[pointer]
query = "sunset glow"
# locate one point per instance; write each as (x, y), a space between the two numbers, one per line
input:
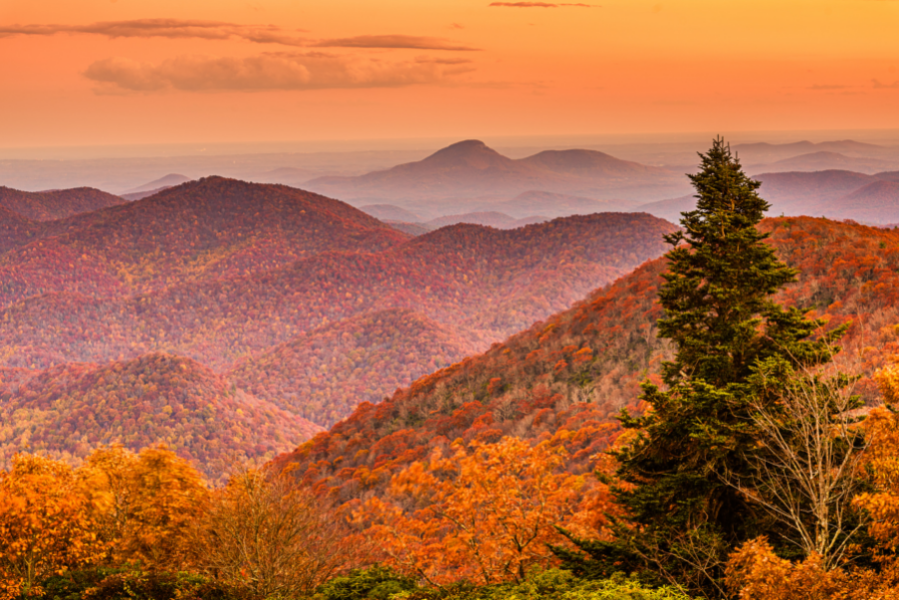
(100, 71)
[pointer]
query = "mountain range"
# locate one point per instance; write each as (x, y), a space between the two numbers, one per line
(835, 194)
(282, 300)
(470, 169)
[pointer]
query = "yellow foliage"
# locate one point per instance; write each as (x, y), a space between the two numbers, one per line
(157, 500)
(48, 522)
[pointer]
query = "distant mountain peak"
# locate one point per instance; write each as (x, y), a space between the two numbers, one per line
(471, 153)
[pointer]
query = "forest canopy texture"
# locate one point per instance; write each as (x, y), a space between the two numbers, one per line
(757, 460)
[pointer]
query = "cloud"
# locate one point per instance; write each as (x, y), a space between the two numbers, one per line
(166, 28)
(885, 86)
(540, 5)
(393, 41)
(826, 87)
(218, 30)
(270, 71)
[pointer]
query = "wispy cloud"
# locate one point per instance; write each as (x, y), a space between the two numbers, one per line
(218, 30)
(827, 87)
(884, 86)
(166, 28)
(541, 4)
(270, 71)
(393, 41)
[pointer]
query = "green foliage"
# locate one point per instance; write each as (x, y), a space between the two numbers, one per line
(375, 583)
(724, 324)
(133, 584)
(553, 584)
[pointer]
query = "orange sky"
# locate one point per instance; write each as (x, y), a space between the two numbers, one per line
(164, 71)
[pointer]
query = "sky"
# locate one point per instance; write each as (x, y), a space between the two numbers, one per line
(92, 72)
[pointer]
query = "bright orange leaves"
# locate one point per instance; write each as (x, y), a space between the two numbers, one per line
(486, 513)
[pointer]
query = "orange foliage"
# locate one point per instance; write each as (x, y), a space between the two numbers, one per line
(48, 522)
(756, 573)
(158, 499)
(486, 513)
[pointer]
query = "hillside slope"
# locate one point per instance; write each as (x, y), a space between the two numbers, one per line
(56, 204)
(570, 374)
(484, 283)
(326, 373)
(68, 410)
(205, 229)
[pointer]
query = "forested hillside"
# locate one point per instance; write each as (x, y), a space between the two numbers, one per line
(55, 204)
(69, 410)
(569, 375)
(275, 293)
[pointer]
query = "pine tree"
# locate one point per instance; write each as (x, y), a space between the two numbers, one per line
(720, 317)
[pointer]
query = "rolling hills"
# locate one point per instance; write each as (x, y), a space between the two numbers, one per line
(55, 204)
(484, 283)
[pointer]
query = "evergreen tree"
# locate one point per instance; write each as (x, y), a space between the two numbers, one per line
(719, 314)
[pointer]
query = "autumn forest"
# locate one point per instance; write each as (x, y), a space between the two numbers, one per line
(226, 390)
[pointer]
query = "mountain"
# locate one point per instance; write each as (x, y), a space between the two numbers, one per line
(875, 202)
(590, 164)
(480, 283)
(835, 194)
(141, 195)
(489, 219)
(823, 160)
(888, 175)
(68, 410)
(325, 374)
(412, 229)
(55, 204)
(15, 230)
(204, 229)
(567, 377)
(764, 152)
(172, 179)
(389, 212)
(470, 169)
(535, 202)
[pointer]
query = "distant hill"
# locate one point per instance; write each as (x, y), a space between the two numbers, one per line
(70, 409)
(471, 169)
(569, 375)
(412, 229)
(824, 160)
(876, 202)
(534, 202)
(172, 179)
(764, 152)
(55, 204)
(210, 228)
(141, 195)
(389, 212)
(490, 219)
(835, 194)
(325, 374)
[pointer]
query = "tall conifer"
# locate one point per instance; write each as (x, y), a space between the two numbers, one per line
(720, 317)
